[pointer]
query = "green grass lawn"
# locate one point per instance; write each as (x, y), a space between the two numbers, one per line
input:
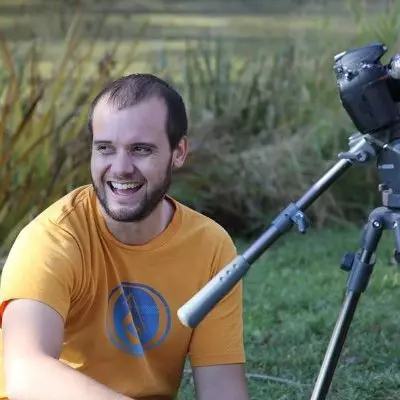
(293, 295)
(168, 34)
(162, 44)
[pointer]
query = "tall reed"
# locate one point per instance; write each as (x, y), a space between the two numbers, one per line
(43, 143)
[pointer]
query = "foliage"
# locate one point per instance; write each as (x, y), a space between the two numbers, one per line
(269, 127)
(265, 124)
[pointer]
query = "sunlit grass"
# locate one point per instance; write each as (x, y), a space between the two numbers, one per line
(259, 32)
(239, 26)
(248, 24)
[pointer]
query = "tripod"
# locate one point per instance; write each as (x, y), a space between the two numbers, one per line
(363, 149)
(360, 266)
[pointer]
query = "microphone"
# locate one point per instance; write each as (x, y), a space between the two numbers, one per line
(196, 308)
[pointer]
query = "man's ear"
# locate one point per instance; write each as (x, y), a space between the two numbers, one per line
(180, 152)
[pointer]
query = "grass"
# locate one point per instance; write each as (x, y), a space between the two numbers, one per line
(169, 28)
(169, 32)
(178, 28)
(293, 295)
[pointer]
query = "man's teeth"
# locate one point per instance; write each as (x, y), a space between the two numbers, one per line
(124, 186)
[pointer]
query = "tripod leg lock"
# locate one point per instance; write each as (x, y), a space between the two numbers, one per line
(360, 274)
(289, 216)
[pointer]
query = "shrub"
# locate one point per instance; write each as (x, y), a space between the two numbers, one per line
(269, 127)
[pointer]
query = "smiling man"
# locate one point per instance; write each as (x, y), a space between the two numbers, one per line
(91, 287)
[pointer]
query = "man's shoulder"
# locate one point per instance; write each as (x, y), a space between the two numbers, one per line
(71, 207)
(58, 229)
(195, 220)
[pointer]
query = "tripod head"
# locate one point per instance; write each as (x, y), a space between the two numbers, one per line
(370, 92)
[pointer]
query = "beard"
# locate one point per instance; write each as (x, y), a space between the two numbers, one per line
(141, 210)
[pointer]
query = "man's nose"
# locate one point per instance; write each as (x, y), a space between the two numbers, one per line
(123, 164)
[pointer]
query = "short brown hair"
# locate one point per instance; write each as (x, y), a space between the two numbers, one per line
(131, 89)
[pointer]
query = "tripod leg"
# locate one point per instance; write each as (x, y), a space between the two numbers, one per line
(361, 270)
(396, 253)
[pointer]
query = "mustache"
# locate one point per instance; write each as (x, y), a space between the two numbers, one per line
(125, 177)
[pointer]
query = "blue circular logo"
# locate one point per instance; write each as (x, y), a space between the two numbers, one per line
(138, 318)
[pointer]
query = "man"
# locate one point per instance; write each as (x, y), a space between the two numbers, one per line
(91, 287)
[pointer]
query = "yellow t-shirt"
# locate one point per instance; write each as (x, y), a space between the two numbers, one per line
(120, 302)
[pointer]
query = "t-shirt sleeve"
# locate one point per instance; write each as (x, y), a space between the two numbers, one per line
(42, 265)
(218, 339)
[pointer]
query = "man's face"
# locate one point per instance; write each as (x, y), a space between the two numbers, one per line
(131, 158)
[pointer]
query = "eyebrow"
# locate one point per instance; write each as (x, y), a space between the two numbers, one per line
(152, 145)
(102, 142)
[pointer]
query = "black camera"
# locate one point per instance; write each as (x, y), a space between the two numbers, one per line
(367, 88)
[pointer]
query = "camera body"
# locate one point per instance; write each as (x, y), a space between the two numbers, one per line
(367, 90)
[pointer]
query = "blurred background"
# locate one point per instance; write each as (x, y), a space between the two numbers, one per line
(265, 123)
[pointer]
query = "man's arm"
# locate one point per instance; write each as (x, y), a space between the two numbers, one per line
(33, 334)
(222, 382)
